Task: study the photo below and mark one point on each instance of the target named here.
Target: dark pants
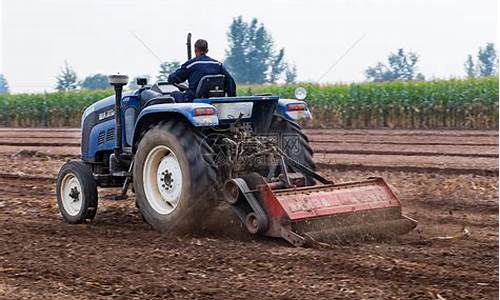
(181, 97)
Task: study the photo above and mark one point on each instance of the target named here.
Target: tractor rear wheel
(174, 186)
(294, 143)
(76, 192)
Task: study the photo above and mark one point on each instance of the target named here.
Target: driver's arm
(180, 75)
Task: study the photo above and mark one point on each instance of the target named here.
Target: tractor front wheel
(172, 182)
(76, 192)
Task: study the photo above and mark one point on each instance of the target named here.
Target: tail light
(206, 111)
(296, 106)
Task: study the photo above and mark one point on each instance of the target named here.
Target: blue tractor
(183, 159)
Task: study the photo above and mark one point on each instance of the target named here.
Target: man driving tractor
(195, 69)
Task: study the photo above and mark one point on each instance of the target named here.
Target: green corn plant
(455, 103)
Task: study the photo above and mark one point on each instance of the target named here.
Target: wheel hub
(71, 192)
(74, 194)
(167, 180)
(162, 179)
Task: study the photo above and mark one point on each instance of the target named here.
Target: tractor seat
(211, 86)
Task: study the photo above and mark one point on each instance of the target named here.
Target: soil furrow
(389, 143)
(404, 153)
(411, 169)
(119, 256)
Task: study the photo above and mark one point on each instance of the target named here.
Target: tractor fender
(182, 111)
(293, 115)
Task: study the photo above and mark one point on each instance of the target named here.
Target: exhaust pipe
(118, 81)
(188, 44)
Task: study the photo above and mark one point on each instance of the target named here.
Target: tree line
(253, 58)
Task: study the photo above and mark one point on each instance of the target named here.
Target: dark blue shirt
(194, 69)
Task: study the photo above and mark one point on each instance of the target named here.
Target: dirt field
(447, 180)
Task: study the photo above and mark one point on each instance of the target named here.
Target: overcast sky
(96, 36)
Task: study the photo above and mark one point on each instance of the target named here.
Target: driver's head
(200, 47)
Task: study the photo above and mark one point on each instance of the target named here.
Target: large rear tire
(174, 185)
(294, 143)
(76, 192)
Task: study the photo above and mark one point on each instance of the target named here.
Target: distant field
(471, 103)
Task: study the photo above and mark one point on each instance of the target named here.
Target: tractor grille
(105, 136)
(101, 138)
(110, 134)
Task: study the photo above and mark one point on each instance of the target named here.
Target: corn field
(470, 103)
(60, 109)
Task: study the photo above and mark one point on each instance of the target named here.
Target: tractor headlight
(300, 93)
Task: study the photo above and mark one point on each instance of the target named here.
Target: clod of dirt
(40, 155)
(30, 153)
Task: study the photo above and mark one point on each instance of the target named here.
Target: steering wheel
(181, 86)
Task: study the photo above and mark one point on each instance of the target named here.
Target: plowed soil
(453, 253)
